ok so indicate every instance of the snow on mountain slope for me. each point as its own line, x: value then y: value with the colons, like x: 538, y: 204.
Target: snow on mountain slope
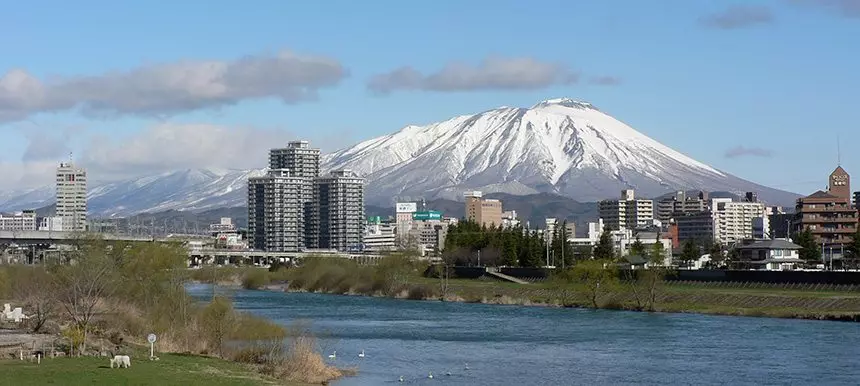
x: 559, y: 146
x: 193, y: 189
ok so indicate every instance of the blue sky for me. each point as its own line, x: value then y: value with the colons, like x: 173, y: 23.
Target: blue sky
x: 741, y: 86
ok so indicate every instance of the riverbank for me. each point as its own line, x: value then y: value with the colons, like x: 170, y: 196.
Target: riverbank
x: 401, y: 278
x: 170, y: 369
x: 673, y: 298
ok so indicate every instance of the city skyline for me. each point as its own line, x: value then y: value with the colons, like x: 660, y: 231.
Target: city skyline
x: 757, y: 74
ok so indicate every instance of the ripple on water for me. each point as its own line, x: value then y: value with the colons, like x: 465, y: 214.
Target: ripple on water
x: 512, y: 345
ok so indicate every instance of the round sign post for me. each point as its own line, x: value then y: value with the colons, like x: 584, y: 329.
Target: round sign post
x: 151, y: 339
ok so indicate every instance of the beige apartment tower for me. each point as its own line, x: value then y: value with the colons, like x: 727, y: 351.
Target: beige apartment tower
x: 486, y: 212
x: 72, y: 197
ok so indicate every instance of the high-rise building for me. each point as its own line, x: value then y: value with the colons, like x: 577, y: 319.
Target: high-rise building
x: 736, y: 221
x: 302, y: 161
x: 678, y: 205
x: 276, y: 212
x: 338, y: 211
x: 857, y: 200
x: 487, y: 212
x: 298, y: 157
x: 627, y: 212
x: 72, y: 197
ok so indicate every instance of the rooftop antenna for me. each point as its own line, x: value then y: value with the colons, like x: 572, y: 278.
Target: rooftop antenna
x: 838, y: 152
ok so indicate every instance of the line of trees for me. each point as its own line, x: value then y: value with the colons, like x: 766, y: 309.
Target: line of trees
x: 470, y: 243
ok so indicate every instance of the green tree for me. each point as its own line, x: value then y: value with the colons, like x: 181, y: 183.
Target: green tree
x: 637, y: 248
x: 509, y: 249
x: 810, y: 251
x: 605, y: 248
x: 594, y: 278
x: 715, y: 251
x: 689, y: 252
x: 655, y: 276
x: 853, y: 249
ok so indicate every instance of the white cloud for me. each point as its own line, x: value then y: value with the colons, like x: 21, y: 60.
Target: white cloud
x: 156, y: 149
x: 494, y: 73
x: 165, y: 89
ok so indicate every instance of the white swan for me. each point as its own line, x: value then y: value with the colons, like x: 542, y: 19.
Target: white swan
x: 401, y: 378
x: 431, y: 375
x: 361, y: 354
x: 333, y: 355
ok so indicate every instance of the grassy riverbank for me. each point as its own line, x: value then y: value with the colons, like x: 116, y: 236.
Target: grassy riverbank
x: 686, y: 298
x: 116, y: 294
x: 588, y: 288
x: 170, y: 369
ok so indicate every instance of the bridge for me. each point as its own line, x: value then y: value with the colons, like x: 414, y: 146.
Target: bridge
x: 246, y: 256
x: 46, y: 237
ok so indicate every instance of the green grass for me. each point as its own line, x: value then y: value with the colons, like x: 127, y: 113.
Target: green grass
x: 171, y: 369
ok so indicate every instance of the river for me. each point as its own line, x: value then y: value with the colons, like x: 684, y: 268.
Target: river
x: 517, y: 345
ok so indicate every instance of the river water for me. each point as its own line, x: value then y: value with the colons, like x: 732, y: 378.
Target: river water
x: 514, y: 345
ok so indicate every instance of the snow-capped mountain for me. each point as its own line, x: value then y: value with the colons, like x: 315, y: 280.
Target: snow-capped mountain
x: 560, y: 146
x: 557, y: 146
x: 193, y: 189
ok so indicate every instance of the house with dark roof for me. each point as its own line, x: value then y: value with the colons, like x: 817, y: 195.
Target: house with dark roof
x: 771, y: 255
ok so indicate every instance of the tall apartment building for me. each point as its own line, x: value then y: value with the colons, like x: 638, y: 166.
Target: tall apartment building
x: 726, y: 222
x: 72, y: 197
x: 736, y: 221
x: 829, y: 215
x: 299, y: 157
x: 696, y: 227
x: 678, y: 205
x: 857, y: 200
x: 276, y: 212
x: 338, y: 211
x: 302, y: 161
x: 487, y: 212
x: 21, y: 221
x: 292, y: 208
x: 627, y: 212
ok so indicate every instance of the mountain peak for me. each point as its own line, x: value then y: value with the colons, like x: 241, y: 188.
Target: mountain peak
x: 566, y: 102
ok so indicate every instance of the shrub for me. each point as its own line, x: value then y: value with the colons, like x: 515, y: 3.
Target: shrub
x: 255, y: 279
x: 421, y: 292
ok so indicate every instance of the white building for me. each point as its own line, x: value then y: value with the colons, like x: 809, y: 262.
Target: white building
x: 338, y: 211
x: 509, y: 219
x: 379, y: 236
x: 72, y: 197
x: 771, y: 255
x: 622, y: 240
x: 54, y: 224
x: 403, y: 218
x: 735, y: 221
x: 627, y: 212
x: 20, y: 221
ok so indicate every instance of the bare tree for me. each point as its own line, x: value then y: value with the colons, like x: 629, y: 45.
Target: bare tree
x: 82, y: 284
x: 34, y: 289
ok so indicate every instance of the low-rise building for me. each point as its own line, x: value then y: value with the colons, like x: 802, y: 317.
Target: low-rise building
x: 52, y: 224
x: 771, y: 255
x: 20, y: 221
x: 379, y: 236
